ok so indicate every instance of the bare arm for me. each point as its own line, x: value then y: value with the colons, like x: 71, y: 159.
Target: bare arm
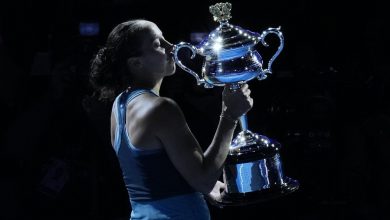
x: 200, y: 169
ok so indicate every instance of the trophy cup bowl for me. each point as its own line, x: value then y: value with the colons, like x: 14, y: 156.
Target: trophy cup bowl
x: 253, y: 169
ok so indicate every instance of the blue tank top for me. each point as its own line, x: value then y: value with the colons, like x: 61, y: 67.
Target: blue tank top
x: 148, y: 174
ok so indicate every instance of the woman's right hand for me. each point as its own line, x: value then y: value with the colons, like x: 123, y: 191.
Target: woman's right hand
x: 236, y: 103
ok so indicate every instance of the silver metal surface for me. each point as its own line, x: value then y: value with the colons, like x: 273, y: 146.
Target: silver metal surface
x: 253, y: 169
x: 254, y: 175
x: 229, y: 55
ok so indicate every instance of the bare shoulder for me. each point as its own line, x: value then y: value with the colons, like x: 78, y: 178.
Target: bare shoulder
x: 166, y: 113
x: 150, y: 106
x: 166, y: 105
x: 149, y: 112
x: 151, y: 118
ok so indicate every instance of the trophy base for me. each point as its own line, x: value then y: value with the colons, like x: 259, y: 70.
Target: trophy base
x: 242, y: 199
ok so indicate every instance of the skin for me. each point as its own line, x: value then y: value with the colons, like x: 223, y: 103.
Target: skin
x: 157, y: 122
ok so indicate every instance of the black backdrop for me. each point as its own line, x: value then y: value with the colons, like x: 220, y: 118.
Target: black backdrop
x: 327, y: 103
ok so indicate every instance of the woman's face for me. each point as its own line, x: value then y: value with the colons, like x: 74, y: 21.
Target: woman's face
x: 156, y: 55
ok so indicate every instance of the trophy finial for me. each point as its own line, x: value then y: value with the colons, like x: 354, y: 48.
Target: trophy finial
x: 221, y: 11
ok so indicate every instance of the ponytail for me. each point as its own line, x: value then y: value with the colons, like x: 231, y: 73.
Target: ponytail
x: 109, y: 75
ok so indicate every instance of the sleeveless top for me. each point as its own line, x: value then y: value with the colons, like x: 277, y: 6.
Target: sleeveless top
x: 148, y: 174
x: 156, y: 189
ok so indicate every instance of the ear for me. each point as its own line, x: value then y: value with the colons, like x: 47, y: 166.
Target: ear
x: 134, y: 62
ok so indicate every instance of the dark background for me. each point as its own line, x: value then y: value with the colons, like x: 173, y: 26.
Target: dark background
x: 327, y: 103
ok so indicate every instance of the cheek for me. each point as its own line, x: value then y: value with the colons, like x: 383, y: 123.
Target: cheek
x: 156, y: 63
x: 158, y: 56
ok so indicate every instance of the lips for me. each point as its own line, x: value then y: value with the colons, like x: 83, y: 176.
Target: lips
x: 170, y: 57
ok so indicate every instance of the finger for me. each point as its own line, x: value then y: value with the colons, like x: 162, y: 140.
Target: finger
x: 221, y: 187
x: 250, y: 102
x: 231, y: 89
x: 221, y: 184
x: 244, y: 87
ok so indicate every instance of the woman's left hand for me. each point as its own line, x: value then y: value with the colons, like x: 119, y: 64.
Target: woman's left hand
x: 215, y: 195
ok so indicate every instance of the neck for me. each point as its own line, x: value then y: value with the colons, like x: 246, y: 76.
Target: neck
x: 151, y: 85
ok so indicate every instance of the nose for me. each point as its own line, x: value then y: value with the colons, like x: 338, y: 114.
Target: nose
x: 168, y: 46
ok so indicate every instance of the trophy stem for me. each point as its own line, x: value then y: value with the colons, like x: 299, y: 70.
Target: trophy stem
x: 244, y: 122
x: 243, y: 118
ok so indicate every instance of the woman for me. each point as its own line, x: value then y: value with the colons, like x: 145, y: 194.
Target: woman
x: 165, y: 170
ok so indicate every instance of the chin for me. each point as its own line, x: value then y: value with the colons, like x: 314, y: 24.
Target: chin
x: 171, y: 70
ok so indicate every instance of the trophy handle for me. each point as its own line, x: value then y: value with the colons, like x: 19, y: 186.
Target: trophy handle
x: 280, y: 35
x: 176, y: 49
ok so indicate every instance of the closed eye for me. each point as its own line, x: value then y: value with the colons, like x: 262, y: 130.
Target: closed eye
x: 156, y: 43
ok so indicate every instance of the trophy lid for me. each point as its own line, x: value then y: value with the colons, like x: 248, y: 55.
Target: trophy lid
x: 226, y: 37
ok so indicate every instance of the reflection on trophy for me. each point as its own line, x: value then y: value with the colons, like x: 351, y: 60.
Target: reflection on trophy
x: 253, y: 169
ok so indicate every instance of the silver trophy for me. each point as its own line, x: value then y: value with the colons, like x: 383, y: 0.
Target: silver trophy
x: 253, y: 169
